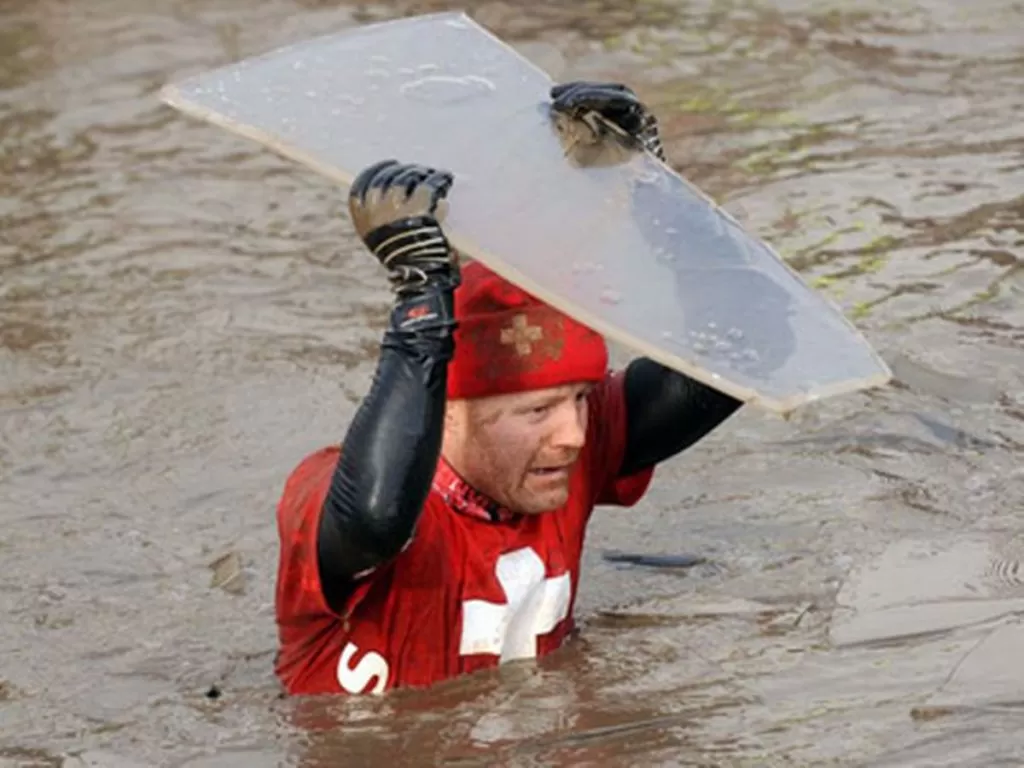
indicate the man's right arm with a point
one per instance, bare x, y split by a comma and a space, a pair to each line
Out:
390, 451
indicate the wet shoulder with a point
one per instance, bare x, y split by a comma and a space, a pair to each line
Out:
304, 492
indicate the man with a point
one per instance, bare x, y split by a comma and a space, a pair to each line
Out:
444, 535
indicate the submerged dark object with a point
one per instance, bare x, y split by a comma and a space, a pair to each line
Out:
685, 560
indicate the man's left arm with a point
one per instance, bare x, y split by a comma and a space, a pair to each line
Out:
666, 413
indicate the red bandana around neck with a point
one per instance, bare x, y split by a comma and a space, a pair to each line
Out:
464, 498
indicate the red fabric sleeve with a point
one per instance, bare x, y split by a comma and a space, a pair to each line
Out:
304, 619
310, 633
300, 594
607, 428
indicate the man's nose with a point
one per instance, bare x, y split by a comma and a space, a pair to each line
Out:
571, 428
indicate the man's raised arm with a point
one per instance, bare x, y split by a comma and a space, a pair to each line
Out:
391, 449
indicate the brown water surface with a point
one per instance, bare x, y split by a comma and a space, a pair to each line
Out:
183, 315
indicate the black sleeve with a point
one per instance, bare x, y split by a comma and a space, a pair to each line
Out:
667, 412
390, 451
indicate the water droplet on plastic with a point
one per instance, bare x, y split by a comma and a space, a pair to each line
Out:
299, 65
734, 333
671, 231
406, 71
379, 59
712, 324
425, 68
700, 347
608, 296
580, 267
666, 335
311, 94
661, 254
443, 89
647, 176
722, 346
377, 72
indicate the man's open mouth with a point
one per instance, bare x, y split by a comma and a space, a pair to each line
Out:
551, 470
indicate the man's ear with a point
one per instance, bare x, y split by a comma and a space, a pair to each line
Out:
453, 434
454, 417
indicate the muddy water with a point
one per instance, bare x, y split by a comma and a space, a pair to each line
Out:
182, 316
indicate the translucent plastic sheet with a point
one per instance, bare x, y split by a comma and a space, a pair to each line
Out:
630, 248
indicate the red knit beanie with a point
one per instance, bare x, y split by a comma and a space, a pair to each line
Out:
508, 341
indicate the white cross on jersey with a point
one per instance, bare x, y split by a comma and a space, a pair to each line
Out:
534, 607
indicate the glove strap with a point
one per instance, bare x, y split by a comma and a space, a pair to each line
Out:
429, 311
415, 253
409, 239
423, 324
649, 137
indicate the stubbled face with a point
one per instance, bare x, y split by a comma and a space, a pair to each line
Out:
518, 449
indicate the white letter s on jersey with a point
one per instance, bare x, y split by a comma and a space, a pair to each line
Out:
354, 679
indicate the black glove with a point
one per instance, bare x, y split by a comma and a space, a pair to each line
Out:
396, 209
613, 103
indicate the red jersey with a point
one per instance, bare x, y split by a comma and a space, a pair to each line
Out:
468, 592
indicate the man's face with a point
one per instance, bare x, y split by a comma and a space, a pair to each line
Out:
518, 449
